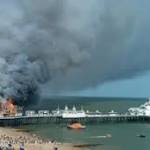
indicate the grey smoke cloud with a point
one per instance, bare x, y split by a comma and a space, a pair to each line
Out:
19, 77
70, 45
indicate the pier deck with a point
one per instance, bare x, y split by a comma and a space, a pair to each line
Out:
26, 120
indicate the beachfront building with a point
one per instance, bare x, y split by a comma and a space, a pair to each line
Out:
142, 110
43, 113
73, 113
30, 113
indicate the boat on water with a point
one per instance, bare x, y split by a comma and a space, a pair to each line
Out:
141, 135
101, 136
76, 125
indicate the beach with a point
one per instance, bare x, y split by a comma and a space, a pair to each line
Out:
13, 139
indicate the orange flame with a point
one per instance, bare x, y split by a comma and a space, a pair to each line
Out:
10, 107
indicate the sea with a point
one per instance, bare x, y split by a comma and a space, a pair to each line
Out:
124, 135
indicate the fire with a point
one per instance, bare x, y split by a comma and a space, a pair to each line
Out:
9, 107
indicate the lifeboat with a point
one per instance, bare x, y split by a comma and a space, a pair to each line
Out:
76, 125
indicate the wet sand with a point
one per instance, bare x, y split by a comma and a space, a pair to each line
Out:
14, 138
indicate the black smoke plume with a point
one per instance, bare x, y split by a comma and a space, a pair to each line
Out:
69, 45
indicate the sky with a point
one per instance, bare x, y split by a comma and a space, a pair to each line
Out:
135, 87
90, 48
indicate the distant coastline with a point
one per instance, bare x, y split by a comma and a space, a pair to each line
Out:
62, 97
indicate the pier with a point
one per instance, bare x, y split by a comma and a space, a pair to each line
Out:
27, 120
66, 115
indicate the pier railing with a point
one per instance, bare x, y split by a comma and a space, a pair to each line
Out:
50, 118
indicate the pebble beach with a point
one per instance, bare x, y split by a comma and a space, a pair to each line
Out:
15, 139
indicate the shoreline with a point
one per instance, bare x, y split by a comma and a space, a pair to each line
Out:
15, 138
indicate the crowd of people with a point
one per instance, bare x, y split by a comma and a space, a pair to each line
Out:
21, 139
19, 142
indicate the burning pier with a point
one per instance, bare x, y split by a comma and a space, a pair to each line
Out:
9, 109
12, 116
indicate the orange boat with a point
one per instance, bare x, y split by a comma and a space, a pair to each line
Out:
76, 125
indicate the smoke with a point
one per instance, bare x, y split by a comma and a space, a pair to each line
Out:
67, 45
20, 77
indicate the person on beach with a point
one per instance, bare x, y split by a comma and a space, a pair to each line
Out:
10, 147
22, 147
55, 148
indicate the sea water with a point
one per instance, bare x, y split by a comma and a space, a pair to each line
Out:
124, 135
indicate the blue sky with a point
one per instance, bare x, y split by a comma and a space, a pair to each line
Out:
134, 87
